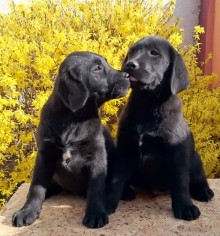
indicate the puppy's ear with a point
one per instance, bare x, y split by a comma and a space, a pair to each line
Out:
179, 75
71, 90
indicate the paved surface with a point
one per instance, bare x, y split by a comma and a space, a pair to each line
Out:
61, 215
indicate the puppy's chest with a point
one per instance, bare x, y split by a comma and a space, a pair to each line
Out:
170, 129
148, 127
152, 134
77, 157
79, 146
77, 132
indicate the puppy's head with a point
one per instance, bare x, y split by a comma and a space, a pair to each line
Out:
87, 76
153, 63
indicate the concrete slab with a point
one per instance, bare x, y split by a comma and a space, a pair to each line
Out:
61, 215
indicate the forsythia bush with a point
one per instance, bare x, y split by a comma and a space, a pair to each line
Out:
36, 37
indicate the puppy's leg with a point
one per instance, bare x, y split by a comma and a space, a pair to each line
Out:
128, 153
199, 188
53, 189
179, 185
117, 188
128, 193
43, 172
95, 215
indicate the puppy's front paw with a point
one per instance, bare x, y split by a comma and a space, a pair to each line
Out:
95, 220
25, 217
111, 204
202, 193
111, 208
128, 194
186, 211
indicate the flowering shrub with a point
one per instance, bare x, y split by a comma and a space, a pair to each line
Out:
36, 37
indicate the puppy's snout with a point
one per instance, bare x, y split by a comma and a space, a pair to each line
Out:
125, 75
132, 65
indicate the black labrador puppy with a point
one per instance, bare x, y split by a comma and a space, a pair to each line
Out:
155, 146
73, 146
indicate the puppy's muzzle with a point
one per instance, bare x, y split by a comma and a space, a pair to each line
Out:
120, 86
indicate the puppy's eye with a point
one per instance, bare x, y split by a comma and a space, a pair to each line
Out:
154, 52
98, 68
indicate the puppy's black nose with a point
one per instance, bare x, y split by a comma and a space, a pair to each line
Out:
125, 75
132, 65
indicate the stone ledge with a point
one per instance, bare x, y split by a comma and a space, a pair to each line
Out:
61, 215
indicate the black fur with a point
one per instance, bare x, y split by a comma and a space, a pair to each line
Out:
155, 146
73, 146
